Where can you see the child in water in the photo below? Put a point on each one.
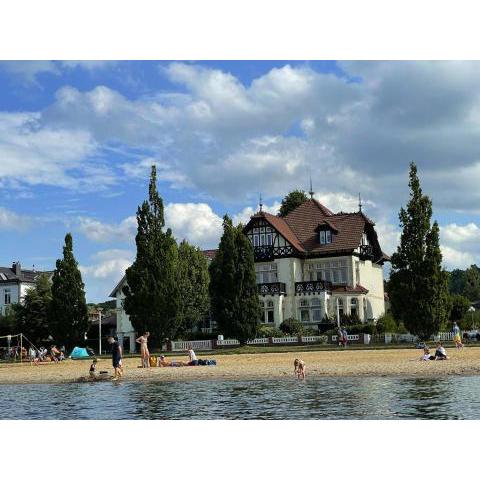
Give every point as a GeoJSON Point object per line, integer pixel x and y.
{"type": "Point", "coordinates": [299, 368]}
{"type": "Point", "coordinates": [93, 368]}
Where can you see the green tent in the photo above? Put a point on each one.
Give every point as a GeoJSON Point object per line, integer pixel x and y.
{"type": "Point", "coordinates": [78, 353]}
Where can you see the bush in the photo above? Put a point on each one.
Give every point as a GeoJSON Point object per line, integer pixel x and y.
{"type": "Point", "coordinates": [361, 328]}
{"type": "Point", "coordinates": [269, 331]}
{"type": "Point", "coordinates": [313, 332]}
{"type": "Point", "coordinates": [291, 326]}
{"type": "Point", "coordinates": [190, 336]}
{"type": "Point", "coordinates": [401, 328]}
{"type": "Point", "coordinates": [386, 324]}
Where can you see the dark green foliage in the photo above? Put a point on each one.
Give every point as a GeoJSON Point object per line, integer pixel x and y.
{"type": "Point", "coordinates": [471, 288]}
{"type": "Point", "coordinates": [386, 324]}
{"type": "Point", "coordinates": [418, 285]}
{"type": "Point", "coordinates": [359, 328]}
{"type": "Point", "coordinates": [152, 294]}
{"type": "Point", "coordinates": [459, 307]}
{"type": "Point", "coordinates": [8, 322]}
{"type": "Point", "coordinates": [456, 281]}
{"type": "Point", "coordinates": [292, 201]}
{"type": "Point", "coordinates": [266, 331]}
{"type": "Point", "coordinates": [349, 319]}
{"type": "Point", "coordinates": [291, 326]}
{"type": "Point", "coordinates": [233, 290]}
{"type": "Point", "coordinates": [32, 315]}
{"type": "Point", "coordinates": [105, 306]}
{"type": "Point", "coordinates": [67, 312]}
{"type": "Point", "coordinates": [193, 279]}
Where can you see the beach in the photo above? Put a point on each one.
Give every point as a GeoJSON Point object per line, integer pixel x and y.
{"type": "Point", "coordinates": [392, 362]}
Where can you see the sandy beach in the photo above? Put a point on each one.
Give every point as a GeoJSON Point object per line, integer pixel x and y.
{"type": "Point", "coordinates": [398, 362]}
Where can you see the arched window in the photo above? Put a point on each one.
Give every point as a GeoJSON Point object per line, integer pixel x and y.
{"type": "Point", "coordinates": [354, 307]}
{"type": "Point", "coordinates": [340, 307]}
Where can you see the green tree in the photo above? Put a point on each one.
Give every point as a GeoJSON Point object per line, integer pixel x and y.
{"type": "Point", "coordinates": [471, 288]}
{"type": "Point", "coordinates": [292, 326]}
{"type": "Point", "coordinates": [32, 315]}
{"type": "Point", "coordinates": [456, 281]}
{"type": "Point", "coordinates": [193, 279]}
{"type": "Point", "coordinates": [459, 307]}
{"type": "Point", "coordinates": [233, 290]}
{"type": "Point", "coordinates": [292, 201]}
{"type": "Point", "coordinates": [152, 294]}
{"type": "Point", "coordinates": [418, 285]}
{"type": "Point", "coordinates": [67, 312]}
{"type": "Point", "coordinates": [8, 321]}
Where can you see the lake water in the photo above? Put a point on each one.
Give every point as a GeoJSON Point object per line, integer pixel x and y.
{"type": "Point", "coordinates": [315, 398]}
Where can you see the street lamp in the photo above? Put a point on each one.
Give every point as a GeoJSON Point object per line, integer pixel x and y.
{"type": "Point", "coordinates": [99, 311]}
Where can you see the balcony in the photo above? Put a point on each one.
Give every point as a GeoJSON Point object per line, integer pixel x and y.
{"type": "Point", "coordinates": [276, 288]}
{"type": "Point", "coordinates": [263, 254]}
{"type": "Point", "coordinates": [314, 286]}
{"type": "Point", "coordinates": [366, 252]}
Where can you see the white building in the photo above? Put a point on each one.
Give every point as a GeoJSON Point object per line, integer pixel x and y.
{"type": "Point", "coordinates": [313, 264]}
{"type": "Point", "coordinates": [14, 283]}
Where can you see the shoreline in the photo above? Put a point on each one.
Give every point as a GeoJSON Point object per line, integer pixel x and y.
{"type": "Point", "coordinates": [259, 366]}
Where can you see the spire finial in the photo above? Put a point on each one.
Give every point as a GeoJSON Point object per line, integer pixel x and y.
{"type": "Point", "coordinates": [311, 192]}
{"type": "Point", "coordinates": [261, 202]}
{"type": "Point", "coordinates": [359, 202]}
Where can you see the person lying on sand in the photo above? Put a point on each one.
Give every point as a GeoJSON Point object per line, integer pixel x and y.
{"type": "Point", "coordinates": [299, 368]}
{"type": "Point", "coordinates": [162, 362]}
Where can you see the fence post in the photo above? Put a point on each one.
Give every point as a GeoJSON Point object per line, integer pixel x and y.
{"type": "Point", "coordinates": [21, 348]}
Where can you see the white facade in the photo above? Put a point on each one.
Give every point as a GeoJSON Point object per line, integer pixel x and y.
{"type": "Point", "coordinates": [14, 284]}
{"type": "Point", "coordinates": [125, 330]}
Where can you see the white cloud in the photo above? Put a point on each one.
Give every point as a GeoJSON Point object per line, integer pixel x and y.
{"type": "Point", "coordinates": [453, 258]}
{"type": "Point", "coordinates": [195, 222]}
{"type": "Point", "coordinates": [98, 231]}
{"type": "Point", "coordinates": [244, 215]}
{"type": "Point", "coordinates": [28, 70]}
{"type": "Point", "coordinates": [13, 221]}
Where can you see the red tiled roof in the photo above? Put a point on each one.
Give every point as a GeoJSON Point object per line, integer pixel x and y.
{"type": "Point", "coordinates": [304, 220]}
{"type": "Point", "coordinates": [347, 289]}
{"type": "Point", "coordinates": [210, 254]}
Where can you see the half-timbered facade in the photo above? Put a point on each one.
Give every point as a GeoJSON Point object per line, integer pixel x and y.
{"type": "Point", "coordinates": [316, 265]}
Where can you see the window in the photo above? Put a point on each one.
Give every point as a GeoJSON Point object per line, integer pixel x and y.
{"type": "Point", "coordinates": [268, 315]}
{"type": "Point", "coordinates": [332, 271]}
{"type": "Point", "coordinates": [262, 236]}
{"type": "Point", "coordinates": [7, 297]}
{"type": "Point", "coordinates": [340, 307]}
{"type": "Point", "coordinates": [353, 306]}
{"type": "Point", "coordinates": [316, 310]}
{"type": "Point", "coordinates": [325, 237]}
{"type": "Point", "coordinates": [266, 273]}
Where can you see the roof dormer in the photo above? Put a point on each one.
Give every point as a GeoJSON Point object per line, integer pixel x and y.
{"type": "Point", "coordinates": [326, 232]}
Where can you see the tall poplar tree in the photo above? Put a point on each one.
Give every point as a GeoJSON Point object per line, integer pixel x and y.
{"type": "Point", "coordinates": [152, 294]}
{"type": "Point", "coordinates": [418, 286]}
{"type": "Point", "coordinates": [233, 290]}
{"type": "Point", "coordinates": [67, 312]}
{"type": "Point", "coordinates": [193, 279]}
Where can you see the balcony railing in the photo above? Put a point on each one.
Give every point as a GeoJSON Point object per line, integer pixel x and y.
{"type": "Point", "coordinates": [276, 288]}
{"type": "Point", "coordinates": [366, 252]}
{"type": "Point", "coordinates": [314, 286]}
{"type": "Point", "coordinates": [267, 253]}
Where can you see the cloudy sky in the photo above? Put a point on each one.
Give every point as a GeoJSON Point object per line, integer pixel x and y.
{"type": "Point", "coordinates": [77, 140]}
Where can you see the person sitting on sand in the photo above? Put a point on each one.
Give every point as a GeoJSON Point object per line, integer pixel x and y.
{"type": "Point", "coordinates": [192, 358]}
{"type": "Point", "coordinates": [93, 368]}
{"type": "Point", "coordinates": [440, 352]}
{"type": "Point", "coordinates": [55, 353]}
{"type": "Point", "coordinates": [426, 355]}
{"type": "Point", "coordinates": [299, 368]}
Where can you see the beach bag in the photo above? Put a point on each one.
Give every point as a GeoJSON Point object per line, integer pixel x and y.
{"type": "Point", "coordinates": [153, 361]}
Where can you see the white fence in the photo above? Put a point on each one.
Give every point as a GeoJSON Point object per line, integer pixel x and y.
{"type": "Point", "coordinates": [350, 338]}
{"type": "Point", "coordinates": [195, 344]}
{"type": "Point", "coordinates": [443, 337]}
{"type": "Point", "coordinates": [229, 342]}
{"type": "Point", "coordinates": [258, 341]}
{"type": "Point", "coordinates": [315, 339]}
{"type": "Point", "coordinates": [285, 340]}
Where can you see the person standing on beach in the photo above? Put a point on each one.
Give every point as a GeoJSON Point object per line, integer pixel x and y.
{"type": "Point", "coordinates": [116, 357]}
{"type": "Point", "coordinates": [344, 337]}
{"type": "Point", "coordinates": [339, 336]}
{"type": "Point", "coordinates": [456, 336]}
{"type": "Point", "coordinates": [144, 353]}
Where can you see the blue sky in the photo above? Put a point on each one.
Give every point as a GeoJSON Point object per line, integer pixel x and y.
{"type": "Point", "coordinates": [77, 140]}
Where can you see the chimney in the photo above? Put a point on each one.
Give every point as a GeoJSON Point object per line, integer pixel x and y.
{"type": "Point", "coordinates": [17, 268]}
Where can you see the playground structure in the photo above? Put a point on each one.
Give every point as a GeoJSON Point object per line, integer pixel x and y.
{"type": "Point", "coordinates": [13, 348]}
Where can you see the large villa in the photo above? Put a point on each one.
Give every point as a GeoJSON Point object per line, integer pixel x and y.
{"type": "Point", "coordinates": [313, 265]}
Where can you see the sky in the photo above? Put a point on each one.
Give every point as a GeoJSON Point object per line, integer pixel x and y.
{"type": "Point", "coordinates": [77, 140]}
